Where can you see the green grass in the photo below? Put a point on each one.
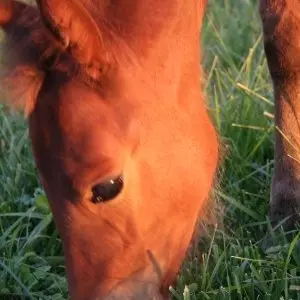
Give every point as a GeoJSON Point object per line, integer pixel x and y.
{"type": "Point", "coordinates": [228, 264]}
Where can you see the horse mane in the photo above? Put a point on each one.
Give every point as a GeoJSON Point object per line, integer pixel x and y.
{"type": "Point", "coordinates": [27, 52]}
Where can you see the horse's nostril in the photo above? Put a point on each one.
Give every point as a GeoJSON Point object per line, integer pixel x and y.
{"type": "Point", "coordinates": [107, 190]}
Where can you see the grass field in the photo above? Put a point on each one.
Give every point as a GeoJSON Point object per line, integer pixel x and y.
{"type": "Point", "coordinates": [229, 263]}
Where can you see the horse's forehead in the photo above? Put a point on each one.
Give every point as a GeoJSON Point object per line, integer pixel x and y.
{"type": "Point", "coordinates": [86, 119]}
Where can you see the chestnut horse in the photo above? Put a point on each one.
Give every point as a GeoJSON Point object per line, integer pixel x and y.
{"type": "Point", "coordinates": [121, 137]}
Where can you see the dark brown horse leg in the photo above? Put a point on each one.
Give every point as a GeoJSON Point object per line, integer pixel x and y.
{"type": "Point", "coordinates": [281, 27]}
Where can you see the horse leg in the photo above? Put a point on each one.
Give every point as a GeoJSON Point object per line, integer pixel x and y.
{"type": "Point", "coordinates": [281, 27]}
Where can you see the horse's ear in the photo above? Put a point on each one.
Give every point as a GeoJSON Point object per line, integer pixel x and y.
{"type": "Point", "coordinates": [76, 30]}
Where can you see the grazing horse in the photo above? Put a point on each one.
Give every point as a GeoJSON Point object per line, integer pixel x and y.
{"type": "Point", "coordinates": [121, 137]}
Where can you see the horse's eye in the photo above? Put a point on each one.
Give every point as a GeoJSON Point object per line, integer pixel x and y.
{"type": "Point", "coordinates": [107, 190]}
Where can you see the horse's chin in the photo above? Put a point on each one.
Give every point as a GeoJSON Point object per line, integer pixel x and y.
{"type": "Point", "coordinates": [128, 290]}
